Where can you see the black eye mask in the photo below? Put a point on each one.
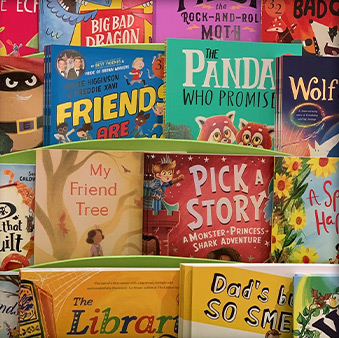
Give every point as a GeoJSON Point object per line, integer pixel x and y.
{"type": "Point", "coordinates": [18, 81]}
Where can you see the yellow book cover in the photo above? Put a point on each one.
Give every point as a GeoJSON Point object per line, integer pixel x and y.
{"type": "Point", "coordinates": [99, 302]}
{"type": "Point", "coordinates": [88, 203]}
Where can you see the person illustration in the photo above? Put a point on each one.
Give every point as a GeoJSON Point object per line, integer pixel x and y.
{"type": "Point", "coordinates": [272, 334]}
{"type": "Point", "coordinates": [158, 110]}
{"type": "Point", "coordinates": [95, 237]}
{"type": "Point", "coordinates": [77, 70]}
{"type": "Point", "coordinates": [83, 132]}
{"type": "Point", "coordinates": [63, 134]}
{"type": "Point", "coordinates": [225, 253]}
{"type": "Point", "coordinates": [62, 67]}
{"type": "Point", "coordinates": [336, 259]}
{"type": "Point", "coordinates": [136, 72]}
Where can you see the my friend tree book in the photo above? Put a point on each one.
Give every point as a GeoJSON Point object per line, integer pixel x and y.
{"type": "Point", "coordinates": [88, 203]}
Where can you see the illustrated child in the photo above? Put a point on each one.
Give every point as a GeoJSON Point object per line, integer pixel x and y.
{"type": "Point", "coordinates": [95, 237]}
{"type": "Point", "coordinates": [63, 134]}
{"type": "Point", "coordinates": [136, 72]}
{"type": "Point", "coordinates": [159, 114]}
{"type": "Point", "coordinates": [83, 132]}
{"type": "Point", "coordinates": [225, 253]}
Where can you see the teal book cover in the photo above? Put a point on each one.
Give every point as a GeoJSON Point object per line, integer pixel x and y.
{"type": "Point", "coordinates": [222, 91]}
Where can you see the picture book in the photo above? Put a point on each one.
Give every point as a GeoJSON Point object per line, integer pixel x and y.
{"type": "Point", "coordinates": [316, 306]}
{"type": "Point", "coordinates": [88, 203]}
{"type": "Point", "coordinates": [305, 215]}
{"type": "Point", "coordinates": [103, 93]}
{"type": "Point", "coordinates": [225, 88]}
{"type": "Point", "coordinates": [9, 304]}
{"type": "Point", "coordinates": [211, 20]}
{"type": "Point", "coordinates": [308, 106]}
{"type": "Point", "coordinates": [94, 22]}
{"type": "Point", "coordinates": [15, 38]}
{"type": "Point", "coordinates": [208, 206]}
{"type": "Point", "coordinates": [17, 197]}
{"type": "Point", "coordinates": [312, 23]}
{"type": "Point", "coordinates": [239, 300]}
{"type": "Point", "coordinates": [21, 96]}
{"type": "Point", "coordinates": [99, 302]}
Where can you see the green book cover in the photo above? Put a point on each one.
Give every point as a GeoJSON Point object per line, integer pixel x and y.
{"type": "Point", "coordinates": [222, 91]}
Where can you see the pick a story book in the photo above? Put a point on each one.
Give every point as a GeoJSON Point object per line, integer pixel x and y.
{"type": "Point", "coordinates": [88, 203]}
{"type": "Point", "coordinates": [208, 206]}
{"type": "Point", "coordinates": [226, 90]}
{"type": "Point", "coordinates": [117, 93]}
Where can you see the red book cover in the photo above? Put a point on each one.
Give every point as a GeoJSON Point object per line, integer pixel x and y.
{"type": "Point", "coordinates": [208, 206]}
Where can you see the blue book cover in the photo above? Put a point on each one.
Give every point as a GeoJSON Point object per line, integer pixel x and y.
{"type": "Point", "coordinates": [103, 93]}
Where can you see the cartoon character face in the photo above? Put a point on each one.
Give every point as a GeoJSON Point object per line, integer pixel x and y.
{"type": "Point", "coordinates": [139, 64]}
{"type": "Point", "coordinates": [165, 175]}
{"type": "Point", "coordinates": [326, 39]}
{"type": "Point", "coordinates": [255, 134]}
{"type": "Point", "coordinates": [278, 25]}
{"type": "Point", "coordinates": [217, 128]}
{"type": "Point", "coordinates": [141, 118]}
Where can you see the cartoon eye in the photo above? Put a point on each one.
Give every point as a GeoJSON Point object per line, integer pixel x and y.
{"type": "Point", "coordinates": [170, 173]}
{"type": "Point", "coordinates": [217, 136]}
{"type": "Point", "coordinates": [10, 83]}
{"type": "Point", "coordinates": [227, 133]}
{"type": "Point", "coordinates": [32, 81]}
{"type": "Point", "coordinates": [246, 137]}
{"type": "Point", "coordinates": [163, 172]}
{"type": "Point", "coordinates": [257, 139]}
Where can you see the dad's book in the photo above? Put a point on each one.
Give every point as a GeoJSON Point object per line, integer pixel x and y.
{"type": "Point", "coordinates": [314, 24]}
{"type": "Point", "coordinates": [208, 206]}
{"type": "Point", "coordinates": [305, 215]}
{"type": "Point", "coordinates": [192, 19]}
{"type": "Point", "coordinates": [103, 93]}
{"type": "Point", "coordinates": [316, 305]}
{"type": "Point", "coordinates": [99, 302]}
{"type": "Point", "coordinates": [88, 203]}
{"type": "Point", "coordinates": [17, 197]}
{"type": "Point", "coordinates": [225, 88]}
{"type": "Point", "coordinates": [308, 106]}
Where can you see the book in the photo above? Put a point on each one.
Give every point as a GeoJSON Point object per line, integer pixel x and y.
{"type": "Point", "coordinates": [9, 304]}
{"type": "Point", "coordinates": [94, 22]}
{"type": "Point", "coordinates": [314, 24]}
{"type": "Point", "coordinates": [118, 93]}
{"type": "Point", "coordinates": [16, 40]}
{"type": "Point", "coordinates": [88, 203]}
{"type": "Point", "coordinates": [17, 197]}
{"type": "Point", "coordinates": [21, 95]}
{"type": "Point", "coordinates": [305, 216]}
{"type": "Point", "coordinates": [208, 206]}
{"type": "Point", "coordinates": [98, 301]}
{"type": "Point", "coordinates": [315, 305]}
{"type": "Point", "coordinates": [191, 19]}
{"type": "Point", "coordinates": [239, 300]}
{"type": "Point", "coordinates": [225, 88]}
{"type": "Point", "coordinates": [307, 112]}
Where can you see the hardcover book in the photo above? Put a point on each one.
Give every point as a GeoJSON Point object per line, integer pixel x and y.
{"type": "Point", "coordinates": [88, 203]}
{"type": "Point", "coordinates": [17, 197]}
{"type": "Point", "coordinates": [99, 302]}
{"type": "Point", "coordinates": [208, 206]}
{"type": "Point", "coordinates": [312, 23]}
{"type": "Point", "coordinates": [308, 106]}
{"type": "Point", "coordinates": [225, 88]}
{"type": "Point", "coordinates": [315, 305]}
{"type": "Point", "coordinates": [17, 39]}
{"type": "Point", "coordinates": [103, 93]}
{"type": "Point", "coordinates": [21, 97]}
{"type": "Point", "coordinates": [94, 22]}
{"type": "Point", "coordinates": [305, 216]}
{"type": "Point", "coordinates": [211, 20]}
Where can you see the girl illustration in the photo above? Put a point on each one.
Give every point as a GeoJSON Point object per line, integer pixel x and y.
{"type": "Point", "coordinates": [95, 237]}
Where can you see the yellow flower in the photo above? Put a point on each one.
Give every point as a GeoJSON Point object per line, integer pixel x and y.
{"type": "Point", "coordinates": [293, 165]}
{"type": "Point", "coordinates": [282, 185]}
{"type": "Point", "coordinates": [323, 166]}
{"type": "Point", "coordinates": [298, 219]}
{"type": "Point", "coordinates": [306, 255]}
{"type": "Point", "coordinates": [276, 239]}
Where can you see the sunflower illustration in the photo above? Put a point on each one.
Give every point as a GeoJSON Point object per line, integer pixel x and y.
{"type": "Point", "coordinates": [323, 166]}
{"type": "Point", "coordinates": [306, 255]}
{"type": "Point", "coordinates": [276, 239]}
{"type": "Point", "coordinates": [292, 165]}
{"type": "Point", "coordinates": [282, 185]}
{"type": "Point", "coordinates": [298, 219]}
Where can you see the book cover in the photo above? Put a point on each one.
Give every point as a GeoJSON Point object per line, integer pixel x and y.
{"type": "Point", "coordinates": [308, 113]}
{"type": "Point", "coordinates": [208, 206]}
{"type": "Point", "coordinates": [312, 23]}
{"type": "Point", "coordinates": [99, 302]}
{"type": "Point", "coordinates": [88, 203]}
{"type": "Point", "coordinates": [21, 96]}
{"type": "Point", "coordinates": [315, 306]}
{"type": "Point", "coordinates": [225, 88]}
{"type": "Point", "coordinates": [17, 39]}
{"type": "Point", "coordinates": [240, 300]}
{"type": "Point", "coordinates": [305, 215]}
{"type": "Point", "coordinates": [94, 22]}
{"type": "Point", "coordinates": [217, 20]}
{"type": "Point", "coordinates": [9, 304]}
{"type": "Point", "coordinates": [117, 93]}
{"type": "Point", "coordinates": [17, 197]}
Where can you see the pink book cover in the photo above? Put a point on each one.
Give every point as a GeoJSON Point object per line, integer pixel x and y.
{"type": "Point", "coordinates": [19, 27]}
{"type": "Point", "coordinates": [206, 20]}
